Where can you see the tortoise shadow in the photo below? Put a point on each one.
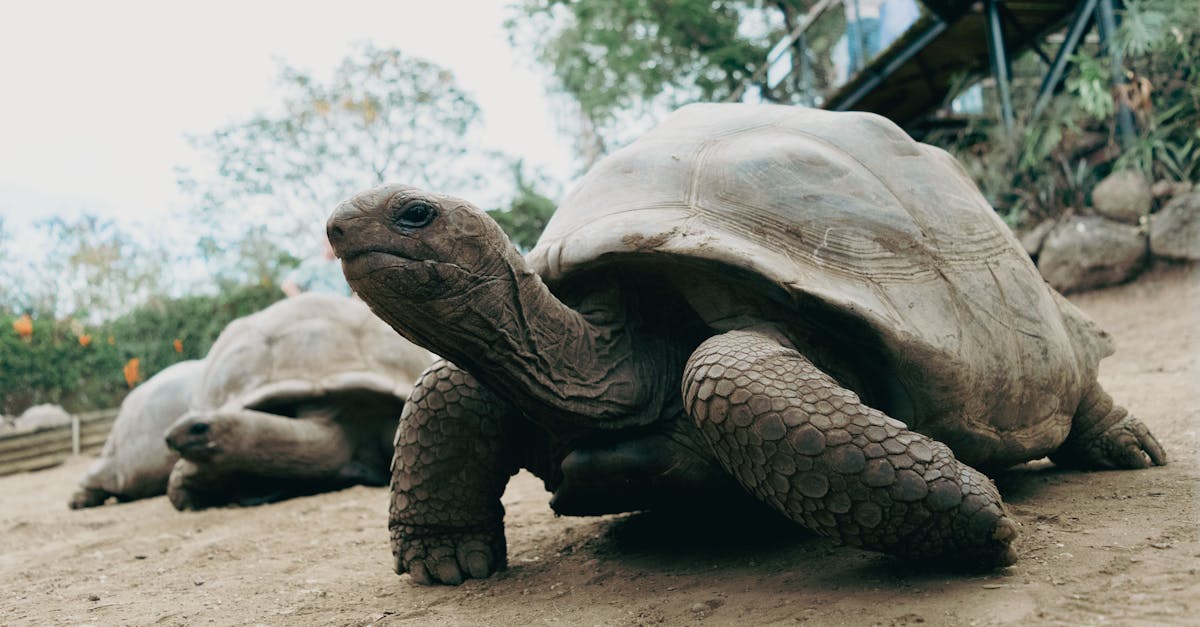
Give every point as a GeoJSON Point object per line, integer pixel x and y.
{"type": "Point", "coordinates": [740, 528]}
{"type": "Point", "coordinates": [745, 532]}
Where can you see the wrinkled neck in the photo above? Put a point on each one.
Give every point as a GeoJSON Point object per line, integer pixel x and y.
{"type": "Point", "coordinates": [553, 362]}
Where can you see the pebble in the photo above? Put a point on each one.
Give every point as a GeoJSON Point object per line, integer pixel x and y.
{"type": "Point", "coordinates": [698, 607]}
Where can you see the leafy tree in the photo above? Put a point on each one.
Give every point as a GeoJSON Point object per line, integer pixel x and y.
{"type": "Point", "coordinates": [88, 267]}
{"type": "Point", "coordinates": [622, 61]}
{"type": "Point", "coordinates": [527, 213]}
{"type": "Point", "coordinates": [383, 116]}
{"type": "Point", "coordinates": [100, 270]}
{"type": "Point", "coordinates": [7, 288]}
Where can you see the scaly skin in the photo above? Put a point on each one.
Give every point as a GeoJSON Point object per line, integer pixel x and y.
{"type": "Point", "coordinates": [808, 447]}
{"type": "Point", "coordinates": [194, 487]}
{"type": "Point", "coordinates": [453, 459]}
{"type": "Point", "coordinates": [88, 497]}
{"type": "Point", "coordinates": [1104, 436]}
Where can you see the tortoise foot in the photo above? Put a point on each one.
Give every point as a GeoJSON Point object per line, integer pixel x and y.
{"type": "Point", "coordinates": [1125, 445]}
{"type": "Point", "coordinates": [448, 556]}
{"type": "Point", "coordinates": [974, 534]}
{"type": "Point", "coordinates": [1105, 436]}
{"type": "Point", "coordinates": [88, 497]}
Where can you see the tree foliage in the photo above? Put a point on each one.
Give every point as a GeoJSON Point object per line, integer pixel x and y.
{"type": "Point", "coordinates": [88, 267]}
{"type": "Point", "coordinates": [527, 213]}
{"type": "Point", "coordinates": [621, 59]}
{"type": "Point", "coordinates": [79, 365]}
{"type": "Point", "coordinates": [382, 117]}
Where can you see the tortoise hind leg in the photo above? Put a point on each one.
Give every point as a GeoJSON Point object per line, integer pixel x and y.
{"type": "Point", "coordinates": [808, 447]}
{"type": "Point", "coordinates": [1104, 435]}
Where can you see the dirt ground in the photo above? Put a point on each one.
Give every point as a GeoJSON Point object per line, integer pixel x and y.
{"type": "Point", "coordinates": [1096, 548]}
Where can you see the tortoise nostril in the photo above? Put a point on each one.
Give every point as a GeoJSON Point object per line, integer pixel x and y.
{"type": "Point", "coordinates": [199, 428]}
{"type": "Point", "coordinates": [334, 232]}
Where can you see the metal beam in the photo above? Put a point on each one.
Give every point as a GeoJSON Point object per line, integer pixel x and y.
{"type": "Point", "coordinates": [875, 77]}
{"type": "Point", "coordinates": [1079, 24]}
{"type": "Point", "coordinates": [1106, 25]}
{"type": "Point", "coordinates": [805, 21]}
{"type": "Point", "coordinates": [998, 53]}
{"type": "Point", "coordinates": [1022, 34]}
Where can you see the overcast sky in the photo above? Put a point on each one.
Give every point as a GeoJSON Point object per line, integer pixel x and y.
{"type": "Point", "coordinates": [96, 97]}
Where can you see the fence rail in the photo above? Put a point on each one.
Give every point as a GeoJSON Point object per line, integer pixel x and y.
{"type": "Point", "coordinates": [33, 450]}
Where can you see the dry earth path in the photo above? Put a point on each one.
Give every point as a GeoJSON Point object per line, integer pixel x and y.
{"type": "Point", "coordinates": [1114, 548]}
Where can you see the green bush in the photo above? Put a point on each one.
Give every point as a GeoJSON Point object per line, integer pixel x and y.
{"type": "Point", "coordinates": [54, 366]}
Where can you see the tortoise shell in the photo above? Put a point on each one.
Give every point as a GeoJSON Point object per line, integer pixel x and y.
{"type": "Point", "coordinates": [135, 461]}
{"type": "Point", "coordinates": [306, 347]}
{"type": "Point", "coordinates": [845, 213]}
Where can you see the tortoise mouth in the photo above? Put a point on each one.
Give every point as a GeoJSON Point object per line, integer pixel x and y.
{"type": "Point", "coordinates": [357, 264]}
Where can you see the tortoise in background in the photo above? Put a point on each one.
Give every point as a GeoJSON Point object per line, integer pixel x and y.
{"type": "Point", "coordinates": [298, 398]}
{"type": "Point", "coordinates": [807, 305]}
{"type": "Point", "coordinates": [135, 461]}
{"type": "Point", "coordinates": [43, 416]}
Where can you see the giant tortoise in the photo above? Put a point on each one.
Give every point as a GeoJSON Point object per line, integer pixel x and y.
{"type": "Point", "coordinates": [298, 398]}
{"type": "Point", "coordinates": [44, 416]}
{"type": "Point", "coordinates": [807, 303]}
{"type": "Point", "coordinates": [135, 462]}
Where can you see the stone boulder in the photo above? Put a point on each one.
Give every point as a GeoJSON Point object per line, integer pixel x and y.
{"type": "Point", "coordinates": [1033, 239]}
{"type": "Point", "coordinates": [1175, 230]}
{"type": "Point", "coordinates": [1169, 189]}
{"type": "Point", "coordinates": [1123, 196]}
{"type": "Point", "coordinates": [1086, 252]}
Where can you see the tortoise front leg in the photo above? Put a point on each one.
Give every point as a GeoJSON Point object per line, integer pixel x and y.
{"type": "Point", "coordinates": [811, 449]}
{"type": "Point", "coordinates": [453, 457]}
{"type": "Point", "coordinates": [193, 486]}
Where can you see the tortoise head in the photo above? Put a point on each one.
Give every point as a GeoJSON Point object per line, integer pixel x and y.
{"type": "Point", "coordinates": [417, 246]}
{"type": "Point", "coordinates": [199, 437]}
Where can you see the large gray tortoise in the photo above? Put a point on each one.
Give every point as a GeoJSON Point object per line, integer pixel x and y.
{"type": "Point", "coordinates": [809, 304]}
{"type": "Point", "coordinates": [136, 462]}
{"type": "Point", "coordinates": [301, 397]}
{"type": "Point", "coordinates": [40, 417]}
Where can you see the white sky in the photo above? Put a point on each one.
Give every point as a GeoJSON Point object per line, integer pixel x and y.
{"type": "Point", "coordinates": [96, 97]}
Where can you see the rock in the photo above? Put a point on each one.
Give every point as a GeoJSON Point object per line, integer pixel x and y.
{"type": "Point", "coordinates": [1175, 231]}
{"type": "Point", "coordinates": [1033, 239]}
{"type": "Point", "coordinates": [1123, 196]}
{"type": "Point", "coordinates": [1085, 252]}
{"type": "Point", "coordinates": [1169, 189]}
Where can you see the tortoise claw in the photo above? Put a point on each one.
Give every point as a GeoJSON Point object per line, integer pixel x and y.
{"type": "Point", "coordinates": [450, 558]}
{"type": "Point", "coordinates": [1125, 445]}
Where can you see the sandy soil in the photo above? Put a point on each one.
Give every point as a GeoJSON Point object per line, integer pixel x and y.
{"type": "Point", "coordinates": [1097, 548]}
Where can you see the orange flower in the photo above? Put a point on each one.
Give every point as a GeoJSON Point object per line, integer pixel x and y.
{"type": "Point", "coordinates": [23, 326]}
{"type": "Point", "coordinates": [178, 344]}
{"type": "Point", "coordinates": [85, 339]}
{"type": "Point", "coordinates": [132, 371]}
{"type": "Point", "coordinates": [112, 340]}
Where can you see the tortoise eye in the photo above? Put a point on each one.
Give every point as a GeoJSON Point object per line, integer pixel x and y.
{"type": "Point", "coordinates": [414, 215]}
